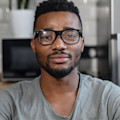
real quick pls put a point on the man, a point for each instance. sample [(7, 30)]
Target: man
[(61, 92)]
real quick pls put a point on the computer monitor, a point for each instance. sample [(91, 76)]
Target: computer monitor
[(18, 60)]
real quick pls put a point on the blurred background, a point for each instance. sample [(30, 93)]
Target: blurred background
[(101, 28)]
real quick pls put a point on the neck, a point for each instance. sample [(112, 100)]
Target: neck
[(52, 85)]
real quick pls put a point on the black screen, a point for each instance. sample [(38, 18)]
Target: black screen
[(18, 59)]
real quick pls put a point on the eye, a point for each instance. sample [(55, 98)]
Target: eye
[(45, 37), (70, 36)]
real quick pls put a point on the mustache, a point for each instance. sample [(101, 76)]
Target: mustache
[(60, 53)]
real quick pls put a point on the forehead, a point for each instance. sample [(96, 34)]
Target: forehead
[(58, 20)]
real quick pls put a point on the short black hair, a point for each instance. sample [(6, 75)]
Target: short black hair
[(56, 5)]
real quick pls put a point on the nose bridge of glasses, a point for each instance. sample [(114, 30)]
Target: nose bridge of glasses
[(58, 33), (58, 39)]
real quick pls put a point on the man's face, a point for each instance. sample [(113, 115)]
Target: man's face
[(59, 58)]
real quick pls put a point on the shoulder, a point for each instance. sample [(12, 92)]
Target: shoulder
[(13, 96), (100, 86), (93, 82), (103, 94), (16, 90)]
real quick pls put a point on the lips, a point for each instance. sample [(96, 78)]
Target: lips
[(59, 59)]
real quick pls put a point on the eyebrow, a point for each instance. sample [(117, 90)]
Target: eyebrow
[(64, 28), (68, 28), (47, 29)]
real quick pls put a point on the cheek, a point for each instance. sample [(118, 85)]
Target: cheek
[(41, 55), (77, 53)]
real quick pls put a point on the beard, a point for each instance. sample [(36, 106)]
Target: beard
[(58, 73)]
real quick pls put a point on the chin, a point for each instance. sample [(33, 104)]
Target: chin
[(58, 72)]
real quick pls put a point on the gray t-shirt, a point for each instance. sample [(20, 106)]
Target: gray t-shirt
[(96, 100)]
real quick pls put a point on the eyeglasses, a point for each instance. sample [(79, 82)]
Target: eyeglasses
[(68, 36)]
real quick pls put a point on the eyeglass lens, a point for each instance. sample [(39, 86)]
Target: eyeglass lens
[(68, 36)]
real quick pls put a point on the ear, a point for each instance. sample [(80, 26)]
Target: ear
[(32, 43), (82, 43)]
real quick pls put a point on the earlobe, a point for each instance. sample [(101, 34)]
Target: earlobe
[(32, 43)]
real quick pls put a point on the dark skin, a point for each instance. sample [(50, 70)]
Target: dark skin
[(60, 92)]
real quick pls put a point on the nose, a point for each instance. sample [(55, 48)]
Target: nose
[(58, 44)]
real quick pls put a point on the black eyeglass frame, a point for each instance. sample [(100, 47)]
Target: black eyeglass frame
[(36, 33)]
